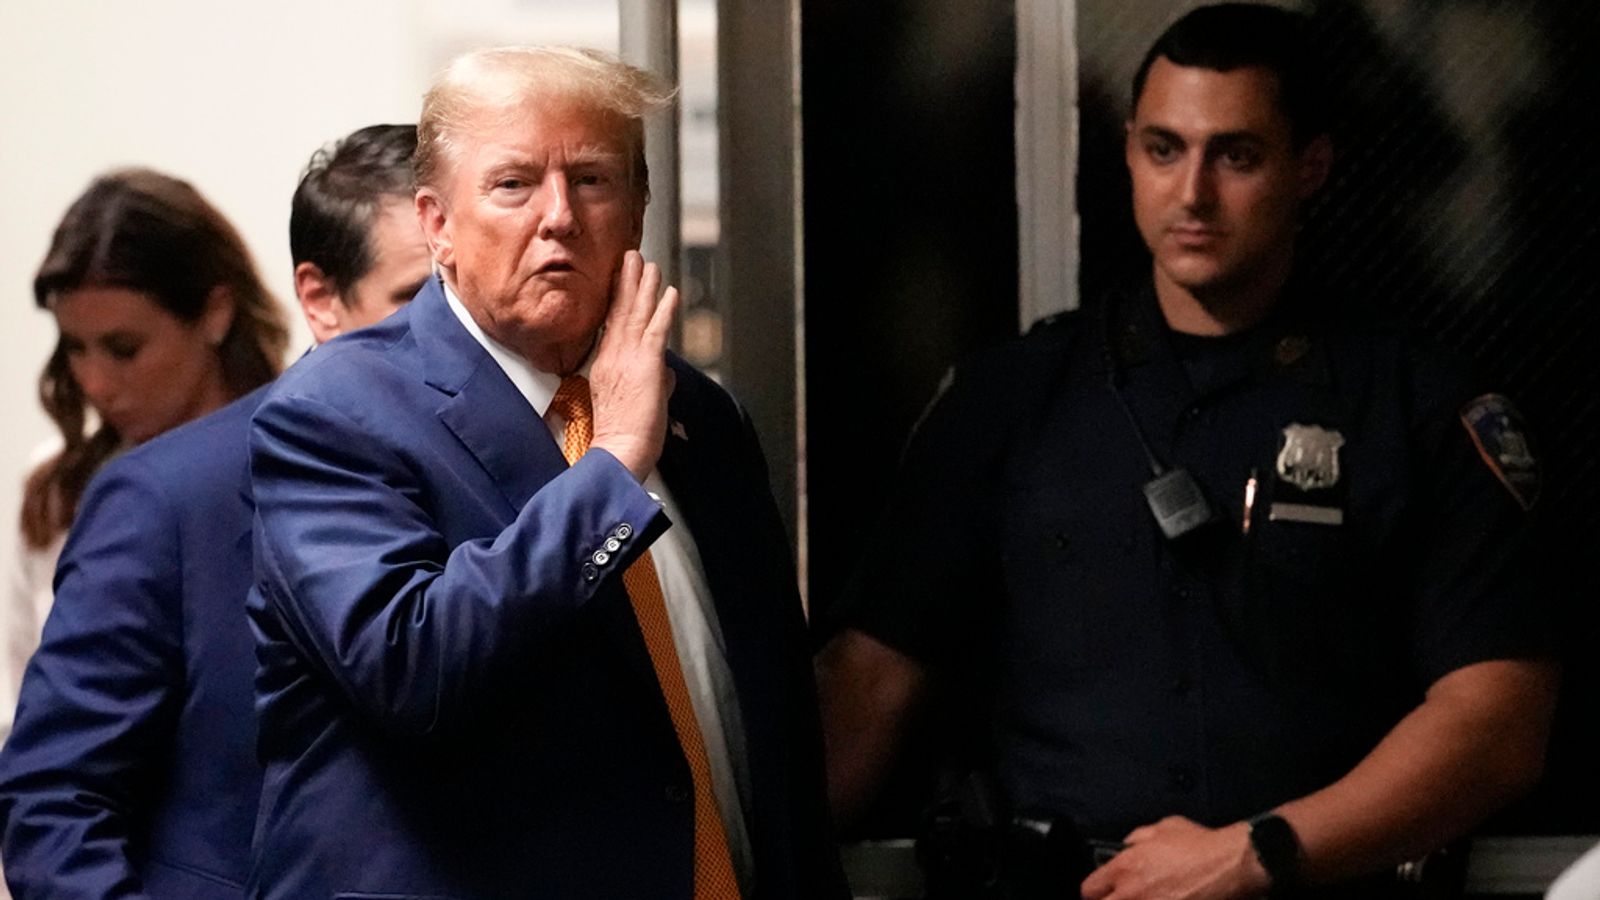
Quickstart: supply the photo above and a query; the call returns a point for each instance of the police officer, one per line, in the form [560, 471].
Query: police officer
[1241, 583]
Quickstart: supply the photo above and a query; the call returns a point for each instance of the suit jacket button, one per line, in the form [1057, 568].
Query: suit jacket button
[590, 573]
[624, 531]
[612, 545]
[677, 793]
[601, 557]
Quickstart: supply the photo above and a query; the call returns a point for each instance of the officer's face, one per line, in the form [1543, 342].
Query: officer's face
[1217, 180]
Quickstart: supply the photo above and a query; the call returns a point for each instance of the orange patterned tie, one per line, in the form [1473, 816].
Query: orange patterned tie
[713, 867]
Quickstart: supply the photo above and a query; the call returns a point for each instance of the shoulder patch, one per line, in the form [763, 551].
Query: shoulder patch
[1498, 431]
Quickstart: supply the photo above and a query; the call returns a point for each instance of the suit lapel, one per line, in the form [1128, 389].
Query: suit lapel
[743, 572]
[482, 408]
[495, 423]
[714, 519]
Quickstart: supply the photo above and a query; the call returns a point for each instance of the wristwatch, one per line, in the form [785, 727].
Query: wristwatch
[1277, 848]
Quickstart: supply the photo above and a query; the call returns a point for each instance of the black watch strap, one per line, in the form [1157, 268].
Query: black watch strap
[1278, 849]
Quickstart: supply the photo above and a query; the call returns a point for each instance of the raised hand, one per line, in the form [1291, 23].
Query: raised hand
[629, 380]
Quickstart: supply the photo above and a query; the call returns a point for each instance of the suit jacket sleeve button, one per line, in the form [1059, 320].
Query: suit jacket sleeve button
[590, 573]
[624, 531]
[612, 545]
[600, 557]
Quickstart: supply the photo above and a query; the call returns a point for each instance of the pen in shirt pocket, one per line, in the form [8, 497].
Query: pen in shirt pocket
[1249, 502]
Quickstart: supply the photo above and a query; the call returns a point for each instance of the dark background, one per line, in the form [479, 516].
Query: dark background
[1463, 201]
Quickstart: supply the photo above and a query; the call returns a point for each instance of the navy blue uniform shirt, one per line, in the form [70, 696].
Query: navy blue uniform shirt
[1129, 676]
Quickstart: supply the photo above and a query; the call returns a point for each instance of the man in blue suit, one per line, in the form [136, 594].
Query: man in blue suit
[526, 615]
[131, 771]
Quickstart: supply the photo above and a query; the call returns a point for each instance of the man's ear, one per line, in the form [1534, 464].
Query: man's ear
[639, 205]
[217, 317]
[318, 300]
[434, 217]
[1316, 161]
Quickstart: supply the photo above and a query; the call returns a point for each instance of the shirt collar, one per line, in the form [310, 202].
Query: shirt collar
[1135, 333]
[538, 387]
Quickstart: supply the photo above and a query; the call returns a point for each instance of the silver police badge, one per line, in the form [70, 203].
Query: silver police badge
[1309, 459]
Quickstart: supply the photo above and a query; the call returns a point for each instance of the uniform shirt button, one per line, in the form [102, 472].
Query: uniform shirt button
[601, 557]
[590, 573]
[676, 793]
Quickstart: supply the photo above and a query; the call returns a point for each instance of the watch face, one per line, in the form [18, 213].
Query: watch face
[1276, 846]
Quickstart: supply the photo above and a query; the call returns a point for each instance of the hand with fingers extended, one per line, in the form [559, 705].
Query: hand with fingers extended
[629, 382]
[1179, 859]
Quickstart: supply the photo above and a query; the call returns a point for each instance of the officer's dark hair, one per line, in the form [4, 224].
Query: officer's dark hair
[340, 195]
[1231, 36]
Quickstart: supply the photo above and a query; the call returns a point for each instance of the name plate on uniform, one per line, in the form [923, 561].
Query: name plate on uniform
[1305, 512]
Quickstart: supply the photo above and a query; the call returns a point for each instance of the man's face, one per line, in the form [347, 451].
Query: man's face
[1217, 180]
[531, 223]
[401, 264]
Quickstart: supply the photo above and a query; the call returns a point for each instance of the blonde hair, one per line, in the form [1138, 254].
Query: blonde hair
[503, 79]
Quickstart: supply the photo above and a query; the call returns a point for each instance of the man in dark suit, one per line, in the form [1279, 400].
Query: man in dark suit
[131, 771]
[526, 615]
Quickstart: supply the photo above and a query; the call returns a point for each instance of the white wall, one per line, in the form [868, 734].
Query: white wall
[232, 96]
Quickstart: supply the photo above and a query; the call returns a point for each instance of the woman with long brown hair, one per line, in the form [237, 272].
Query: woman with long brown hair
[162, 319]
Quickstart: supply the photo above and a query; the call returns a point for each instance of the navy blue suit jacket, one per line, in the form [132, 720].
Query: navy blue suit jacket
[455, 699]
[131, 770]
